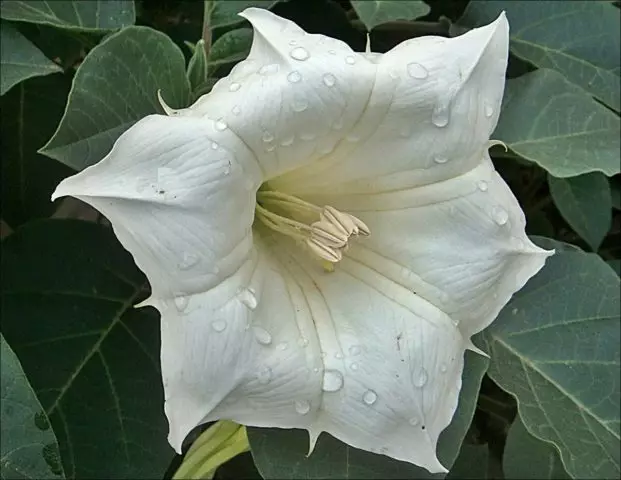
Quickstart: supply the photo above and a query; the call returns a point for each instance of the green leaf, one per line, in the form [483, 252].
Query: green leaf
[555, 124]
[555, 347]
[225, 12]
[93, 360]
[29, 447]
[116, 86]
[197, 66]
[231, 47]
[282, 453]
[585, 204]
[376, 12]
[20, 59]
[29, 113]
[578, 39]
[615, 194]
[615, 265]
[471, 463]
[526, 457]
[71, 14]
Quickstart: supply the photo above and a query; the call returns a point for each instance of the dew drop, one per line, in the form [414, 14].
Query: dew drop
[236, 110]
[299, 104]
[416, 70]
[293, 42]
[332, 381]
[369, 397]
[514, 311]
[440, 159]
[482, 185]
[282, 346]
[488, 110]
[455, 321]
[329, 80]
[233, 87]
[294, 77]
[262, 336]
[303, 342]
[316, 369]
[214, 145]
[440, 115]
[500, 215]
[354, 350]
[285, 142]
[221, 125]
[331, 52]
[352, 137]
[218, 325]
[269, 69]
[443, 368]
[307, 136]
[188, 261]
[302, 407]
[414, 421]
[354, 366]
[268, 137]
[299, 53]
[420, 380]
[248, 298]
[181, 303]
[350, 60]
[338, 356]
[264, 376]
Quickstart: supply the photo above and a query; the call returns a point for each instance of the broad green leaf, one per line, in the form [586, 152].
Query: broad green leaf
[20, 59]
[197, 66]
[555, 347]
[29, 449]
[116, 86]
[72, 14]
[527, 457]
[585, 204]
[282, 453]
[67, 294]
[376, 12]
[555, 124]
[225, 12]
[233, 46]
[579, 39]
[615, 265]
[29, 113]
[470, 463]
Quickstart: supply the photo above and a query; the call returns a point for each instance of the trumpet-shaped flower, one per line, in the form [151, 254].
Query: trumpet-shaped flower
[323, 233]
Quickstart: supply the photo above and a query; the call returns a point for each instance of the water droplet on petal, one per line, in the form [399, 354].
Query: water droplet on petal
[181, 303]
[332, 381]
[233, 87]
[302, 407]
[329, 80]
[299, 53]
[440, 115]
[369, 397]
[455, 321]
[303, 342]
[219, 325]
[299, 104]
[488, 110]
[269, 69]
[307, 136]
[420, 380]
[354, 350]
[294, 77]
[247, 297]
[188, 261]
[443, 368]
[350, 60]
[221, 125]
[285, 142]
[264, 376]
[354, 366]
[352, 137]
[316, 369]
[500, 215]
[482, 185]
[293, 42]
[236, 110]
[416, 70]
[331, 52]
[514, 311]
[414, 421]
[262, 336]
[268, 137]
[440, 159]
[338, 355]
[282, 346]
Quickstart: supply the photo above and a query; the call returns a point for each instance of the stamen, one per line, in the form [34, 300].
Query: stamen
[329, 234]
[323, 251]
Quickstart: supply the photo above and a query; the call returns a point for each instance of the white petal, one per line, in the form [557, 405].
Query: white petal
[295, 96]
[460, 244]
[170, 187]
[434, 105]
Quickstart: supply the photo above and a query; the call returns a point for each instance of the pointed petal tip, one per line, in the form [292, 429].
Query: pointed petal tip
[312, 441]
[473, 348]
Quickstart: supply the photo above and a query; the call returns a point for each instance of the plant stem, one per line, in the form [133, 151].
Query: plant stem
[206, 35]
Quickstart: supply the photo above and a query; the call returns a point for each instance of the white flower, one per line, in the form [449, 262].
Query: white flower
[285, 314]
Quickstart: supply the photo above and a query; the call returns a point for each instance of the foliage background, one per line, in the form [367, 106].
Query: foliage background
[81, 390]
